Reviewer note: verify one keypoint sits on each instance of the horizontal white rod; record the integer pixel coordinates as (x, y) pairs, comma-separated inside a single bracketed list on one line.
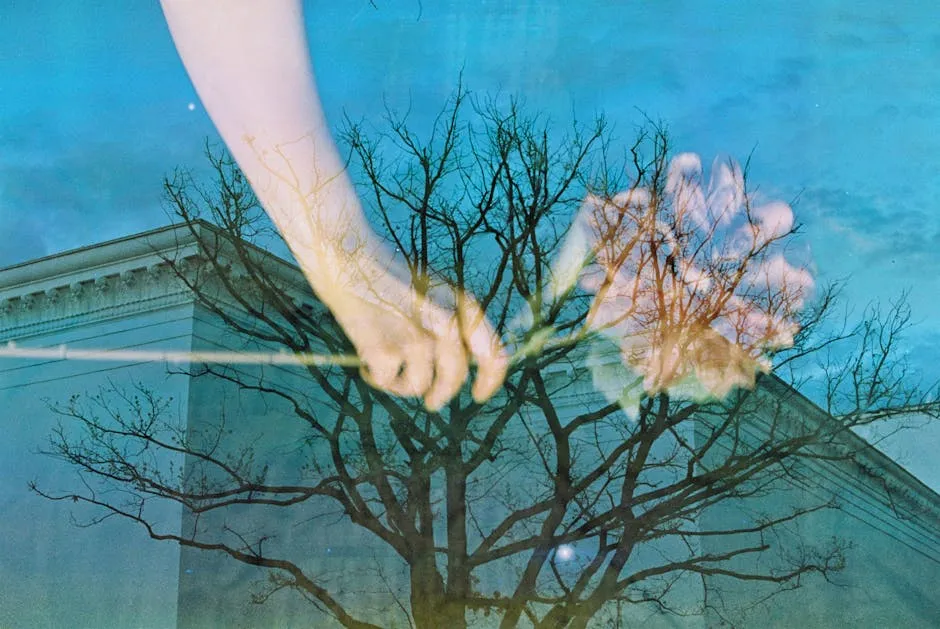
[(62, 352), (536, 345)]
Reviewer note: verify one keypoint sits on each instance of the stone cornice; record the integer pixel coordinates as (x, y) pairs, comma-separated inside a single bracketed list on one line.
[(131, 253), (89, 299), (105, 259), (897, 481), (117, 278)]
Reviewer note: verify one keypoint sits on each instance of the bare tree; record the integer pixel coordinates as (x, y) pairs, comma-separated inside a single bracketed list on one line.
[(639, 394)]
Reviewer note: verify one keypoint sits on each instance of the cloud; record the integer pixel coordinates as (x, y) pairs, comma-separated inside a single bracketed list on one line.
[(23, 239), (62, 188), (75, 199), (787, 75), (877, 230)]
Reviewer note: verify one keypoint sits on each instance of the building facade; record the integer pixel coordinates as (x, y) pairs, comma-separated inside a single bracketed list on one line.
[(122, 295)]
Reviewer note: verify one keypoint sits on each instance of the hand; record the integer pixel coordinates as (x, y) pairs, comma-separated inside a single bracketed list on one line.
[(409, 344)]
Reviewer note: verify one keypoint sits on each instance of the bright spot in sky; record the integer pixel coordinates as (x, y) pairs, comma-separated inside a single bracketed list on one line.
[(191, 106), (565, 552)]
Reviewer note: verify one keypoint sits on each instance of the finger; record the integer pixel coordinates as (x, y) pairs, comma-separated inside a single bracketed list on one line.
[(491, 372), (405, 371), (418, 373), (380, 369), (485, 348), (451, 369)]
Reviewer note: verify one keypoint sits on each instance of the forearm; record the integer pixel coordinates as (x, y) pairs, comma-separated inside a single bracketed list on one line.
[(250, 65)]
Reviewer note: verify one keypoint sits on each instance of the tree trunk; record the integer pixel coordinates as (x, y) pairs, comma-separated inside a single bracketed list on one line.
[(429, 605)]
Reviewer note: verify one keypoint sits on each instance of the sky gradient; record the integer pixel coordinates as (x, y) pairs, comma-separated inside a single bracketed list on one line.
[(839, 103)]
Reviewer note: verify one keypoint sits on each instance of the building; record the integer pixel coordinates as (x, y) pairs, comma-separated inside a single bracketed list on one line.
[(122, 295)]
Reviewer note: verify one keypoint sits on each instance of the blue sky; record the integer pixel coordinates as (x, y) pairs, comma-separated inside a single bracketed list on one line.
[(840, 102)]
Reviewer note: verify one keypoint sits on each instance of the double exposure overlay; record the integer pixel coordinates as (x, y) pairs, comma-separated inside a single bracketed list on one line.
[(690, 280), (468, 329)]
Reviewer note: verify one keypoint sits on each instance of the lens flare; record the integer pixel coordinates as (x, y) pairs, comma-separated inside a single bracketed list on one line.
[(565, 552)]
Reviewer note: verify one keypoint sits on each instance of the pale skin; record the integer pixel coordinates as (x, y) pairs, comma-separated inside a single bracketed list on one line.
[(250, 64)]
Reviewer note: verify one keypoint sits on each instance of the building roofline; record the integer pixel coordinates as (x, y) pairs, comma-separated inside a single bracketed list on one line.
[(115, 256), (868, 454), (99, 254), (149, 248)]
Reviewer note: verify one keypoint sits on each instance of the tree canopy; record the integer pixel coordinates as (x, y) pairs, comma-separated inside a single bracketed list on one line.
[(658, 331)]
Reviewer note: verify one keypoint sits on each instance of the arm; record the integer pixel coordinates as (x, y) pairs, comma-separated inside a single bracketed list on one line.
[(250, 64)]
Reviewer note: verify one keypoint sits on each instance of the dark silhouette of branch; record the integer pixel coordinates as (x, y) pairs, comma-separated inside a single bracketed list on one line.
[(595, 272)]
